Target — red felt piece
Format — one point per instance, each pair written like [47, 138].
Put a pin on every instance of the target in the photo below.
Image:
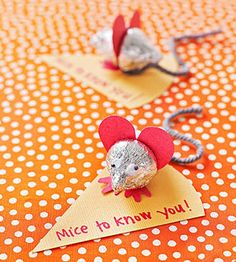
[109, 65]
[114, 129]
[160, 142]
[135, 20]
[137, 193]
[119, 32]
[146, 192]
[107, 189]
[107, 181]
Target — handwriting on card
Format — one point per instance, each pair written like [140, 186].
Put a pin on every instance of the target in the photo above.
[72, 232]
[95, 215]
[93, 78]
[131, 91]
[119, 221]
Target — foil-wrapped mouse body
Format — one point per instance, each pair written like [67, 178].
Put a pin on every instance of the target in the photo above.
[130, 50]
[136, 51]
[133, 161]
[131, 165]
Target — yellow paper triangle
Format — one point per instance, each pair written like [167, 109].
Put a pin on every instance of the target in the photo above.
[169, 189]
[130, 90]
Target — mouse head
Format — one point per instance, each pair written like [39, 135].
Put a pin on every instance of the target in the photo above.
[131, 161]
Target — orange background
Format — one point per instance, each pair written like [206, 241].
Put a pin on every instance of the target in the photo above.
[50, 150]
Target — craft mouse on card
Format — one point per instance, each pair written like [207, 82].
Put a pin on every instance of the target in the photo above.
[133, 161]
[127, 48]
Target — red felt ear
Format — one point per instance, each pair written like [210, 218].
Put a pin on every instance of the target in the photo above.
[135, 20]
[118, 35]
[114, 129]
[160, 142]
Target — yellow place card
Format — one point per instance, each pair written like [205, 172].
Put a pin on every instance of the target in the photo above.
[130, 90]
[95, 215]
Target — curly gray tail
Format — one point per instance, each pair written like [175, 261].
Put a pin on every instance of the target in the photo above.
[177, 135]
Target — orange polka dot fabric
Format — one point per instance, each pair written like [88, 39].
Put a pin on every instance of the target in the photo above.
[49, 146]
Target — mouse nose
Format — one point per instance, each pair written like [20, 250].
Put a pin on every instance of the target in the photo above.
[118, 183]
[117, 187]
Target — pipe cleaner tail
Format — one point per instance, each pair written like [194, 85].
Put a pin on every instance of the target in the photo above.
[184, 70]
[177, 135]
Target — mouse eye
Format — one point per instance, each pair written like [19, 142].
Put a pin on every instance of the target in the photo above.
[113, 165]
[135, 168]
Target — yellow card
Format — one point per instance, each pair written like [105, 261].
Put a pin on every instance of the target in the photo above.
[130, 90]
[95, 215]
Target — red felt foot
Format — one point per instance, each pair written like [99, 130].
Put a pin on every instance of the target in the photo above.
[109, 65]
[107, 182]
[136, 193]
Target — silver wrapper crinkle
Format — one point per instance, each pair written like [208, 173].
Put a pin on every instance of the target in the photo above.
[130, 164]
[136, 50]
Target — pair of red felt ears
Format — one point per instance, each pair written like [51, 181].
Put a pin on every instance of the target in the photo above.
[119, 30]
[114, 129]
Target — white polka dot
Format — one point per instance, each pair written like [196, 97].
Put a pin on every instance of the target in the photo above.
[227, 253]
[122, 251]
[209, 233]
[65, 257]
[171, 243]
[117, 241]
[17, 249]
[173, 228]
[155, 231]
[146, 252]
[143, 236]
[3, 256]
[8, 241]
[102, 249]
[176, 254]
[82, 250]
[201, 256]
[184, 237]
[47, 252]
[29, 240]
[223, 240]
[132, 259]
[200, 239]
[162, 257]
[191, 248]
[193, 229]
[156, 242]
[135, 244]
[209, 247]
